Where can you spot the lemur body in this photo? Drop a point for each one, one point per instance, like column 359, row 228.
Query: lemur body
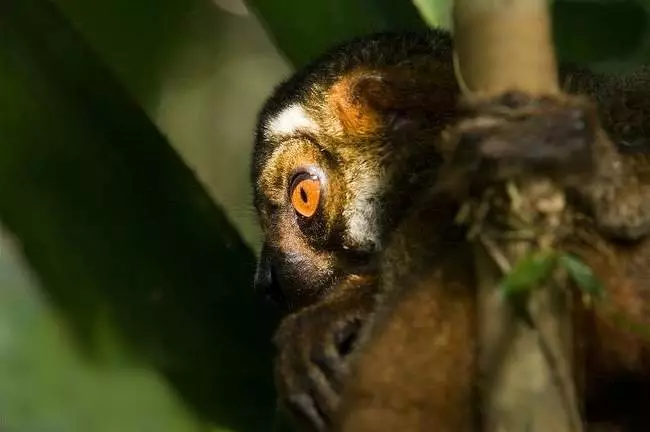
column 342, row 172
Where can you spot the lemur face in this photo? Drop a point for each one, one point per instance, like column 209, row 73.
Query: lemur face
column 339, row 149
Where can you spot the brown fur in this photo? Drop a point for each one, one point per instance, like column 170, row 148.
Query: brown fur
column 350, row 106
column 377, row 121
column 403, row 380
column 364, row 100
column 614, row 360
column 416, row 371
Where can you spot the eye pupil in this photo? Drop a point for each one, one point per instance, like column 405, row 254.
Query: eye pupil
column 303, row 195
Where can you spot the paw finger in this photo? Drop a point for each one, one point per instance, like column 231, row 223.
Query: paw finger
column 303, row 407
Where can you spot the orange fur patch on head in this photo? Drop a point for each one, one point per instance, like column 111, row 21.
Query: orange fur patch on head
column 348, row 98
column 364, row 101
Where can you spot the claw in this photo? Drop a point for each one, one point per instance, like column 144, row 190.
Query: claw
column 304, row 406
column 324, row 391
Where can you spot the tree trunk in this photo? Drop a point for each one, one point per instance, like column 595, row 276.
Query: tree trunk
column 527, row 380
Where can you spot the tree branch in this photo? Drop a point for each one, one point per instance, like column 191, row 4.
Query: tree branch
column 525, row 361
column 504, row 45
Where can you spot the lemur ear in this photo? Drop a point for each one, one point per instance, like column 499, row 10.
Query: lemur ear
column 367, row 101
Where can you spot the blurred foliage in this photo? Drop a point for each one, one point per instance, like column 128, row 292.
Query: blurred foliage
column 528, row 273
column 208, row 102
column 435, row 13
column 117, row 228
column 589, row 32
column 582, row 275
column 73, row 395
column 136, row 38
column 149, row 273
column 304, row 29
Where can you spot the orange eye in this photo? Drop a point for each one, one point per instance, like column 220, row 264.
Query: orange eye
column 305, row 195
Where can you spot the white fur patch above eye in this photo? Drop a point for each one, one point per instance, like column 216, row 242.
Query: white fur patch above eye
column 290, row 120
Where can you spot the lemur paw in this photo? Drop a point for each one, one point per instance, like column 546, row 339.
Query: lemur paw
column 314, row 347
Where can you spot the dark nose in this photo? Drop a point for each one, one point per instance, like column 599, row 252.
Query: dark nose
column 359, row 253
column 266, row 282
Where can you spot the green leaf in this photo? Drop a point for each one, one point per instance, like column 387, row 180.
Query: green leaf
column 528, row 273
column 599, row 30
column 435, row 13
column 116, row 225
column 303, row 29
column 582, row 275
column 150, row 32
column 47, row 385
column 585, row 31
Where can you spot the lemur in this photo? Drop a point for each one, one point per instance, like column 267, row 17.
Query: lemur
column 341, row 163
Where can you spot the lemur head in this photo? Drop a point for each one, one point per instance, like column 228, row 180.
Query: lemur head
column 335, row 144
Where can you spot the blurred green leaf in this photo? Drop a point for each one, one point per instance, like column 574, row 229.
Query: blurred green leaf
column 585, row 31
column 435, row 13
column 582, row 275
column 303, row 30
column 116, row 225
column 528, row 273
column 135, row 38
column 47, row 386
column 599, row 30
